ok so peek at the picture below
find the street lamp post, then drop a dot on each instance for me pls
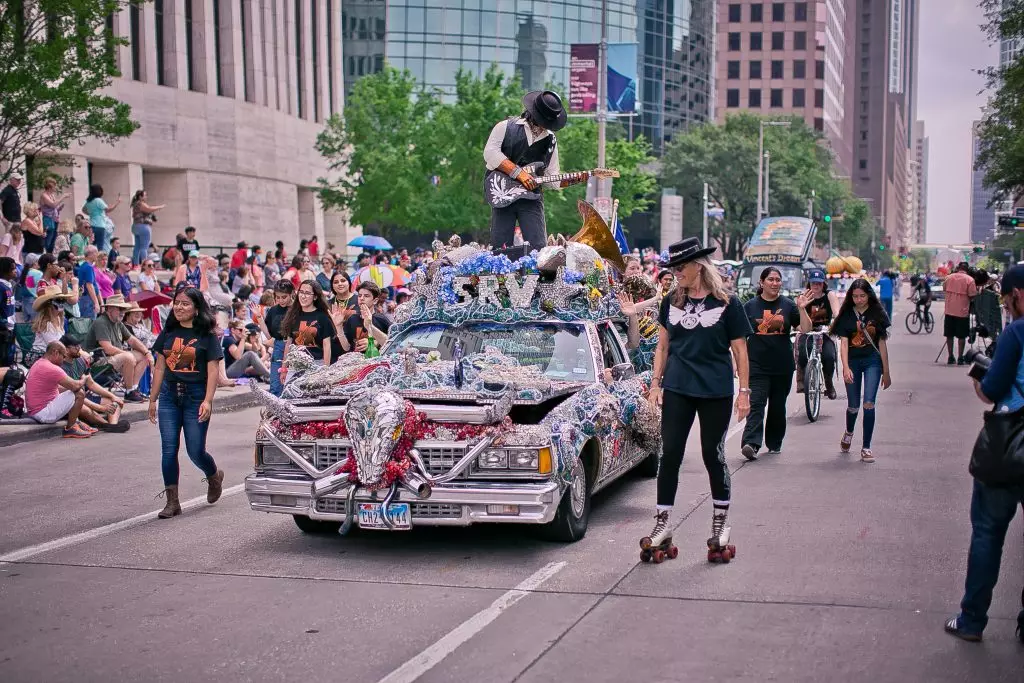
(767, 182)
(761, 206)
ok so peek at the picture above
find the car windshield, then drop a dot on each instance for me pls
(560, 350)
(792, 276)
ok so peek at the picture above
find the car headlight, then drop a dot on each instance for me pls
(272, 455)
(524, 459)
(531, 459)
(493, 460)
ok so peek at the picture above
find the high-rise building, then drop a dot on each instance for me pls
(362, 29)
(983, 216)
(791, 58)
(919, 181)
(885, 85)
(433, 39)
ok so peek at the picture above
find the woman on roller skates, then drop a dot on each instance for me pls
(700, 323)
(862, 325)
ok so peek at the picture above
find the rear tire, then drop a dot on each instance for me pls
(812, 392)
(929, 322)
(315, 526)
(573, 515)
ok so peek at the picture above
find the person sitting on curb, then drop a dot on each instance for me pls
(51, 395)
(102, 408)
(242, 357)
(126, 353)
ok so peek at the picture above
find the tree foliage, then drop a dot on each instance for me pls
(725, 156)
(404, 157)
(57, 59)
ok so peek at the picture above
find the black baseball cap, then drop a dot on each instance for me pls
(1012, 279)
(190, 229)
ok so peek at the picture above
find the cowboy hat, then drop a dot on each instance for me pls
(546, 109)
(117, 301)
(684, 251)
(49, 294)
(135, 308)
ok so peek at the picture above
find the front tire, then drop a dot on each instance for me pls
(913, 322)
(573, 515)
(315, 526)
(812, 392)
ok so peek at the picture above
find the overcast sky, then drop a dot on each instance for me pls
(952, 47)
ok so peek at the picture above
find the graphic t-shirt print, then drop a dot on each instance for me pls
(182, 356)
(693, 314)
(818, 314)
(859, 340)
(306, 335)
(771, 323)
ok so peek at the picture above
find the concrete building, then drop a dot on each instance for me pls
(919, 181)
(886, 53)
(230, 95)
(983, 216)
(363, 25)
(790, 58)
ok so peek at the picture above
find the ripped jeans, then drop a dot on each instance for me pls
(867, 375)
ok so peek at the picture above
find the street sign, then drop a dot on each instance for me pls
(716, 213)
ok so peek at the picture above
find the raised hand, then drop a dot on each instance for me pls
(804, 299)
(626, 304)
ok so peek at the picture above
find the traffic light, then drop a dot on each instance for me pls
(827, 218)
(1009, 222)
(978, 248)
(881, 247)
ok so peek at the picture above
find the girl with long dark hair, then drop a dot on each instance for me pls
(862, 325)
(188, 356)
(772, 317)
(308, 323)
(700, 324)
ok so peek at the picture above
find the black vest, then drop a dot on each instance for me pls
(515, 146)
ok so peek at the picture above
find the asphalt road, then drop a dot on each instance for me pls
(844, 571)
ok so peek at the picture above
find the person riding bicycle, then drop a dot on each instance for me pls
(922, 295)
(822, 309)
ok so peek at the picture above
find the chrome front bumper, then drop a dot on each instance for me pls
(451, 504)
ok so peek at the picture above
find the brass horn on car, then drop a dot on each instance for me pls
(596, 234)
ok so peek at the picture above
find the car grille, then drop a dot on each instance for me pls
(328, 454)
(438, 457)
(422, 510)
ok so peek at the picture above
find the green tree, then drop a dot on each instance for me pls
(58, 56)
(725, 156)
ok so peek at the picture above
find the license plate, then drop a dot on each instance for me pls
(371, 516)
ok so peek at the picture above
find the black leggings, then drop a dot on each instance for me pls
(677, 414)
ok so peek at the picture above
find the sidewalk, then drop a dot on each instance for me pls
(226, 399)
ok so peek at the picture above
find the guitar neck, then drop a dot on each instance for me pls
(557, 178)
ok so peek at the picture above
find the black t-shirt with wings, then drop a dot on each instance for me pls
(699, 363)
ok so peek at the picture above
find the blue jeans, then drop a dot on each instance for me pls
(101, 238)
(143, 233)
(887, 305)
(177, 412)
(50, 226)
(276, 385)
(867, 375)
(992, 510)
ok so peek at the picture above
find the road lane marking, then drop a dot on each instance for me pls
(432, 656)
(83, 536)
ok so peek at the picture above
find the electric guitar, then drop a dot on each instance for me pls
(501, 190)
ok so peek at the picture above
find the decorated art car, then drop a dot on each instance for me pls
(505, 394)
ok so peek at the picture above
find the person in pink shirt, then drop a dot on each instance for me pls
(51, 395)
(959, 289)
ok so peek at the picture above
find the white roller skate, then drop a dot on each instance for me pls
(719, 549)
(657, 546)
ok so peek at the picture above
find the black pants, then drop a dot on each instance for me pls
(828, 357)
(529, 213)
(677, 414)
(767, 391)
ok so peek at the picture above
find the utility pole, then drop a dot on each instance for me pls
(810, 206)
(603, 190)
(704, 211)
(760, 169)
(767, 176)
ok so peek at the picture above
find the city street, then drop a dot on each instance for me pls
(844, 571)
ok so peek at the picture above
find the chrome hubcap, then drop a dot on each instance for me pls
(578, 490)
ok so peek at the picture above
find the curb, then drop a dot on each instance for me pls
(231, 403)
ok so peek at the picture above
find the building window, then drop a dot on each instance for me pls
(216, 47)
(733, 70)
(300, 78)
(799, 68)
(735, 13)
(189, 46)
(135, 37)
(799, 97)
(819, 124)
(754, 99)
(732, 98)
(757, 12)
(819, 69)
(315, 46)
(819, 98)
(778, 40)
(864, 135)
(755, 70)
(330, 57)
(800, 11)
(158, 28)
(777, 68)
(755, 41)
(863, 164)
(778, 11)
(800, 40)
(244, 30)
(776, 98)
(734, 42)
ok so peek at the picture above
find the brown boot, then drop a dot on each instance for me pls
(216, 486)
(799, 382)
(173, 507)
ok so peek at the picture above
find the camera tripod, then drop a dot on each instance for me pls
(976, 333)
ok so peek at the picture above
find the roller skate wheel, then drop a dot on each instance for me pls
(673, 553)
(732, 549)
(645, 543)
(726, 556)
(714, 556)
(658, 556)
(645, 555)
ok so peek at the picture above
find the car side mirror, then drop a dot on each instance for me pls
(623, 371)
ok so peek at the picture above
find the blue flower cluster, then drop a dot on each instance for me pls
(573, 277)
(485, 263)
(527, 263)
(446, 290)
(663, 256)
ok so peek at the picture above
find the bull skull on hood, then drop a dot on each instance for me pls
(375, 420)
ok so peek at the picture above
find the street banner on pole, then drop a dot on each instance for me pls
(583, 59)
(622, 77)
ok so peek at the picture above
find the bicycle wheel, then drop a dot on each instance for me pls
(929, 322)
(812, 390)
(913, 322)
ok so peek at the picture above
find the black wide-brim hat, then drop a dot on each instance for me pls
(546, 109)
(686, 250)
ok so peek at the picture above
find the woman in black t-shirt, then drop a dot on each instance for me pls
(822, 309)
(772, 318)
(862, 324)
(188, 358)
(270, 325)
(693, 377)
(308, 323)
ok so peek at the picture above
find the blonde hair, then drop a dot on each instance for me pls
(50, 314)
(710, 279)
(50, 181)
(30, 206)
(66, 226)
